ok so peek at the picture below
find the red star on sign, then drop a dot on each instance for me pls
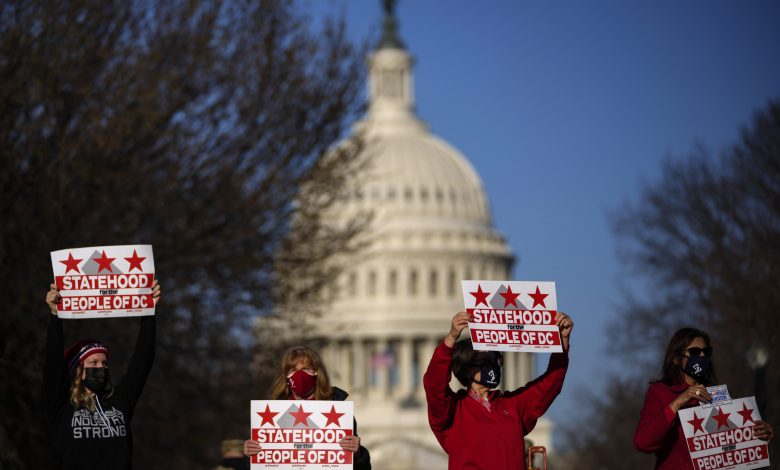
(300, 417)
(510, 297)
(696, 423)
(267, 415)
(332, 416)
(71, 263)
(538, 298)
(104, 262)
(480, 297)
(722, 418)
(747, 414)
(135, 261)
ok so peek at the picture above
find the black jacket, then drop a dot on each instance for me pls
(362, 459)
(83, 439)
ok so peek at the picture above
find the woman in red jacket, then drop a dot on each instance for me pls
(685, 374)
(477, 427)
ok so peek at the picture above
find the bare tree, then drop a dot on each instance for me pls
(192, 126)
(706, 238)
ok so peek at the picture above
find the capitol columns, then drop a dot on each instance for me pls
(404, 361)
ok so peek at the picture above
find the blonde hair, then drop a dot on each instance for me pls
(80, 396)
(310, 358)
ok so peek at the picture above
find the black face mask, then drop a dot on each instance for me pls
(490, 375)
(699, 367)
(97, 379)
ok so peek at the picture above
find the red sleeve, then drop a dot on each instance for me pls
(440, 398)
(655, 421)
(533, 400)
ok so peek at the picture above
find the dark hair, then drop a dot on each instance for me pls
(466, 362)
(671, 372)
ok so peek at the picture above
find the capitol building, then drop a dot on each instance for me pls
(432, 228)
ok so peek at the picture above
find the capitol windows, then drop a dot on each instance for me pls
(433, 282)
(371, 283)
(392, 282)
(391, 194)
(452, 283)
(413, 281)
(352, 284)
(439, 195)
(424, 194)
(409, 193)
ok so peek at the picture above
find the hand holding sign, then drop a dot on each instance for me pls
(763, 431)
(53, 298)
(459, 323)
(565, 325)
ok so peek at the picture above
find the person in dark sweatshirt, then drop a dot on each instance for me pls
(88, 413)
(302, 376)
(478, 427)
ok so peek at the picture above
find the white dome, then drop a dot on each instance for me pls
(418, 174)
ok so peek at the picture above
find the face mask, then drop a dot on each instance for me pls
(490, 375)
(302, 383)
(699, 367)
(97, 379)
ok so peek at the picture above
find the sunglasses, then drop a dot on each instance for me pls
(695, 352)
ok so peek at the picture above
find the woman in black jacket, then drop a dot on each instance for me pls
(90, 416)
(302, 376)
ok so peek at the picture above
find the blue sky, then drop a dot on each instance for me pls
(566, 108)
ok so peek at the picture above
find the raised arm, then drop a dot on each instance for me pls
(55, 380)
(533, 400)
(143, 357)
(440, 398)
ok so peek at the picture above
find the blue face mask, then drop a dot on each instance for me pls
(699, 367)
(490, 375)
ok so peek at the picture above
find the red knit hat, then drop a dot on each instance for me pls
(78, 352)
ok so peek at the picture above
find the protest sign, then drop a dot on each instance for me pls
(721, 437)
(301, 434)
(514, 316)
(104, 281)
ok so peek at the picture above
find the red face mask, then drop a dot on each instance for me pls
(302, 383)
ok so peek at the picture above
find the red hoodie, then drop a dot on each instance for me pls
(478, 438)
(659, 430)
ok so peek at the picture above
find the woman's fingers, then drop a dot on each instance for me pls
(763, 430)
(350, 443)
(251, 447)
(565, 324)
(699, 392)
(156, 292)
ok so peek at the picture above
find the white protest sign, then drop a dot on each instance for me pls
(104, 281)
(301, 434)
(516, 316)
(720, 396)
(721, 437)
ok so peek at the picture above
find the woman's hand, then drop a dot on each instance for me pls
(350, 443)
(156, 293)
(694, 392)
(763, 431)
(251, 447)
(565, 325)
(53, 298)
(459, 322)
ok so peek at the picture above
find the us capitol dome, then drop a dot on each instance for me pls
(432, 227)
